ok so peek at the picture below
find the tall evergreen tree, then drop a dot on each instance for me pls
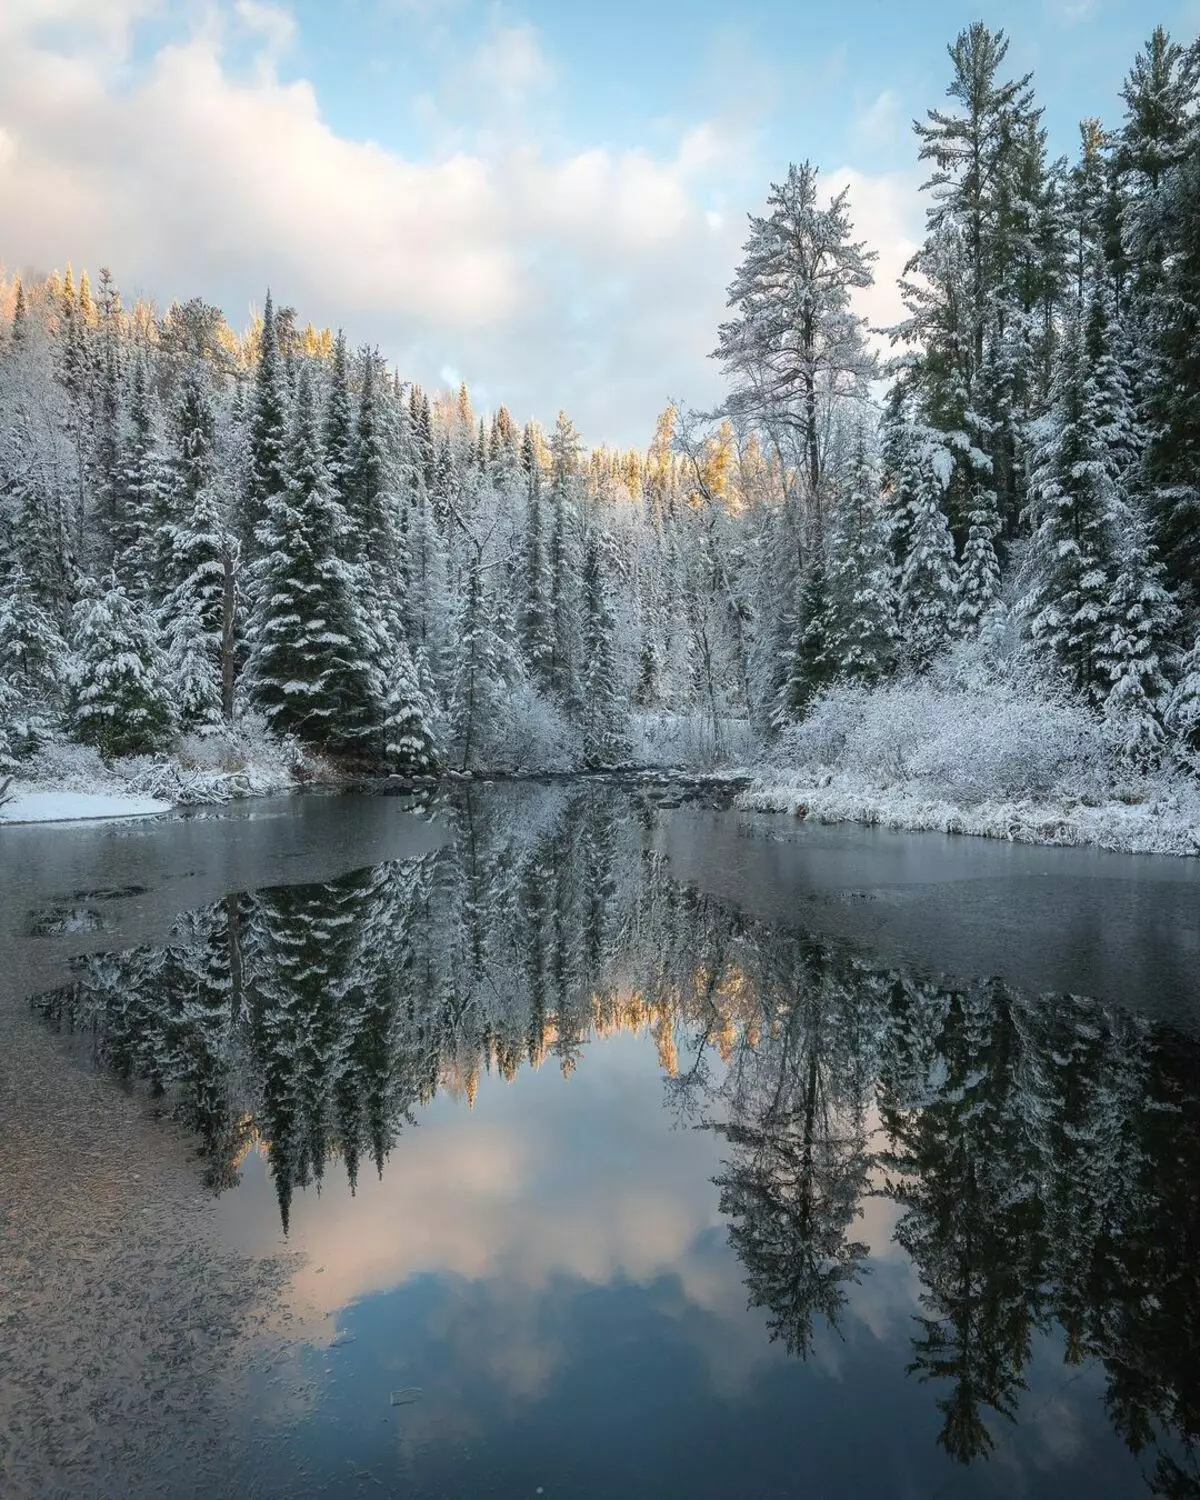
(117, 679)
(309, 665)
(602, 714)
(267, 473)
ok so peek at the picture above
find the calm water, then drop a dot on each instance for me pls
(640, 1152)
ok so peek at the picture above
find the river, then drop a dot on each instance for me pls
(566, 1141)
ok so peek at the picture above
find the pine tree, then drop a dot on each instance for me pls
(795, 350)
(479, 670)
(1077, 507)
(1163, 144)
(309, 664)
(147, 487)
(564, 451)
(118, 684)
(338, 435)
(193, 615)
(977, 266)
(1139, 618)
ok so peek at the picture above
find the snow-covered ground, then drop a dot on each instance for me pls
(958, 753)
(67, 782)
(33, 806)
(1166, 823)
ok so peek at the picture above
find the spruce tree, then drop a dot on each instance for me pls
(310, 668)
(809, 664)
(267, 471)
(534, 613)
(861, 634)
(118, 684)
(602, 714)
(409, 747)
(32, 656)
(927, 575)
(1183, 709)
(563, 611)
(979, 571)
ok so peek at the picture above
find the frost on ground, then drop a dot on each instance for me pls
(126, 1328)
(958, 753)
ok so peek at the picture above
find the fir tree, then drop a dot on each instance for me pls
(32, 654)
(267, 474)
(118, 684)
(309, 663)
(809, 665)
(338, 434)
(927, 576)
(602, 714)
(1183, 708)
(534, 614)
(409, 746)
(979, 572)
(564, 450)
(861, 635)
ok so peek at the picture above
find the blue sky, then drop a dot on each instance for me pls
(547, 199)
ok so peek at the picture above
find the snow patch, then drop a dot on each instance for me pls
(32, 806)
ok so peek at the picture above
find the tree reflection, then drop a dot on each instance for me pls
(1044, 1157)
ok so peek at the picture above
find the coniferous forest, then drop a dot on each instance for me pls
(212, 534)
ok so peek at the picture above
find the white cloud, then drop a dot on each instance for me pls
(887, 213)
(592, 279)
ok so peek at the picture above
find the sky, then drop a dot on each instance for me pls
(547, 200)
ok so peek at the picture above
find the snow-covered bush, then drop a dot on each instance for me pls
(971, 742)
(528, 731)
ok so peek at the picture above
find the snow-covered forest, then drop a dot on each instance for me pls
(1040, 1154)
(209, 536)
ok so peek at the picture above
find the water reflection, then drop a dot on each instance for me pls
(1039, 1160)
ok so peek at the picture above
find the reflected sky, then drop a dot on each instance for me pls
(606, 1188)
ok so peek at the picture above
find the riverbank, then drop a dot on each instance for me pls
(1151, 820)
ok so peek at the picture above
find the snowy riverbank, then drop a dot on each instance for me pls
(961, 753)
(1168, 822)
(65, 782)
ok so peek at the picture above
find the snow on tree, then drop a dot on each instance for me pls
(119, 690)
(927, 575)
(563, 561)
(795, 350)
(31, 663)
(266, 477)
(309, 664)
(860, 626)
(409, 746)
(1183, 708)
(602, 713)
(979, 570)
(809, 664)
(479, 670)
(1078, 508)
